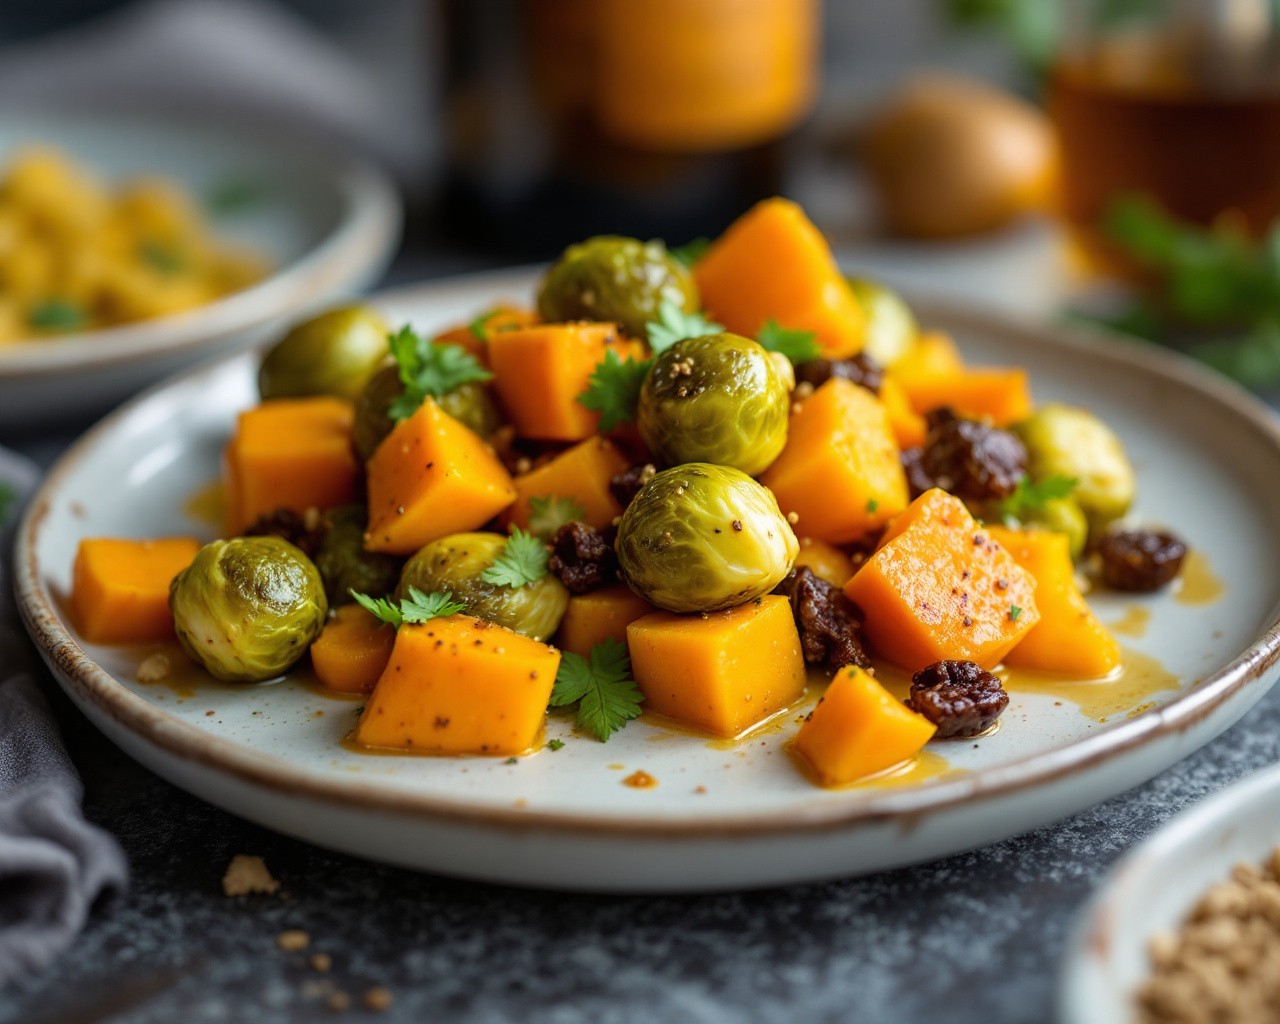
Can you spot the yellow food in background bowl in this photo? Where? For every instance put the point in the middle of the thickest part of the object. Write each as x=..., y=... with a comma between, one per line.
x=77, y=253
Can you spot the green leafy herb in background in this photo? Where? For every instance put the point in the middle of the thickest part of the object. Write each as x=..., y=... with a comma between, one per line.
x=429, y=369
x=613, y=389
x=56, y=315
x=689, y=253
x=8, y=499
x=477, y=326
x=798, y=346
x=601, y=686
x=674, y=324
x=416, y=608
x=522, y=560
x=234, y=195
x=161, y=257
x=547, y=515
x=1029, y=497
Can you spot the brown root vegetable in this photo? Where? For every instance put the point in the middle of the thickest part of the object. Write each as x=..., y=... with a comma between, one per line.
x=951, y=156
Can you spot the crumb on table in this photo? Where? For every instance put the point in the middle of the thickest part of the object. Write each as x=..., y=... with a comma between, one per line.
x=247, y=874
x=294, y=940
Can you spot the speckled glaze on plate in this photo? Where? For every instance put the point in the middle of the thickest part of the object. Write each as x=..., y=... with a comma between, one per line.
x=328, y=223
x=721, y=816
x=1154, y=887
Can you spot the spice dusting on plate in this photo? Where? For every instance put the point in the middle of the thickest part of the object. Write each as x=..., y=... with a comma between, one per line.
x=1223, y=964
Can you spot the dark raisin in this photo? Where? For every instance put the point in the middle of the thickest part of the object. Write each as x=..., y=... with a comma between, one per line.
x=860, y=369
x=304, y=531
x=830, y=632
x=973, y=461
x=959, y=697
x=582, y=558
x=626, y=485
x=1140, y=560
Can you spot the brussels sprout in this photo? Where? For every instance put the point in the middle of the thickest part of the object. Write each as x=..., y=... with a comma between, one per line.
x=334, y=353
x=618, y=279
x=698, y=538
x=248, y=608
x=470, y=403
x=454, y=563
x=892, y=329
x=1065, y=441
x=1062, y=515
x=718, y=398
x=343, y=562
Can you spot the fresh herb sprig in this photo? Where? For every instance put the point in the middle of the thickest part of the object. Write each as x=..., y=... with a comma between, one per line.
x=601, y=686
x=613, y=389
x=547, y=515
x=674, y=324
x=522, y=560
x=798, y=346
x=691, y=252
x=1031, y=496
x=429, y=369
x=416, y=608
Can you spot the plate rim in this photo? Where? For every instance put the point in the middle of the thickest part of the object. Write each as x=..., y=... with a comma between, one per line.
x=78, y=671
x=367, y=229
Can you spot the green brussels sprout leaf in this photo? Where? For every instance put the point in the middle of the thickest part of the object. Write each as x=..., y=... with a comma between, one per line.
x=547, y=515
x=416, y=608
x=689, y=253
x=674, y=324
x=1031, y=496
x=613, y=390
x=429, y=369
x=798, y=346
x=522, y=560
x=602, y=687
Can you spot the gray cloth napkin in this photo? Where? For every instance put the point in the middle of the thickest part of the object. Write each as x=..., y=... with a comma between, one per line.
x=53, y=863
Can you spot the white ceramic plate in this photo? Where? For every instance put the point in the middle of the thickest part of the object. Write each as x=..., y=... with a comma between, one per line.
x=720, y=817
x=1154, y=887
x=328, y=224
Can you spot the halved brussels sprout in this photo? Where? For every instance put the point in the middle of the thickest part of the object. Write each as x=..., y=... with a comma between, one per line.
x=454, y=563
x=469, y=403
x=618, y=279
x=1062, y=515
x=1062, y=440
x=718, y=399
x=343, y=562
x=698, y=538
x=334, y=353
x=248, y=608
x=892, y=330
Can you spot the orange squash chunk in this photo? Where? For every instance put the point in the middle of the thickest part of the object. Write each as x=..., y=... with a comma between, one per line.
x=600, y=615
x=539, y=372
x=1001, y=396
x=840, y=472
x=460, y=685
x=909, y=427
x=352, y=650
x=939, y=586
x=500, y=318
x=292, y=453
x=431, y=477
x=120, y=588
x=858, y=729
x=773, y=264
x=582, y=474
x=826, y=561
x=1069, y=639
x=723, y=672
x=933, y=355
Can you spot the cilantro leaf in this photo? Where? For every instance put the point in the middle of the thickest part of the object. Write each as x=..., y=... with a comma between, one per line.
x=555, y=744
x=674, y=324
x=428, y=368
x=798, y=346
x=547, y=515
x=1014, y=612
x=416, y=608
x=56, y=315
x=689, y=253
x=1028, y=497
x=477, y=326
x=602, y=687
x=613, y=389
x=522, y=560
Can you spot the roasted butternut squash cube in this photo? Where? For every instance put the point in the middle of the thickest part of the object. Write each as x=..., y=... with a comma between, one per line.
x=909, y=427
x=474, y=337
x=581, y=474
x=352, y=650
x=292, y=453
x=773, y=264
x=120, y=588
x=723, y=672
x=540, y=371
x=600, y=615
x=1001, y=396
x=1069, y=639
x=840, y=472
x=940, y=587
x=933, y=355
x=825, y=560
x=460, y=685
x=858, y=729
x=430, y=477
